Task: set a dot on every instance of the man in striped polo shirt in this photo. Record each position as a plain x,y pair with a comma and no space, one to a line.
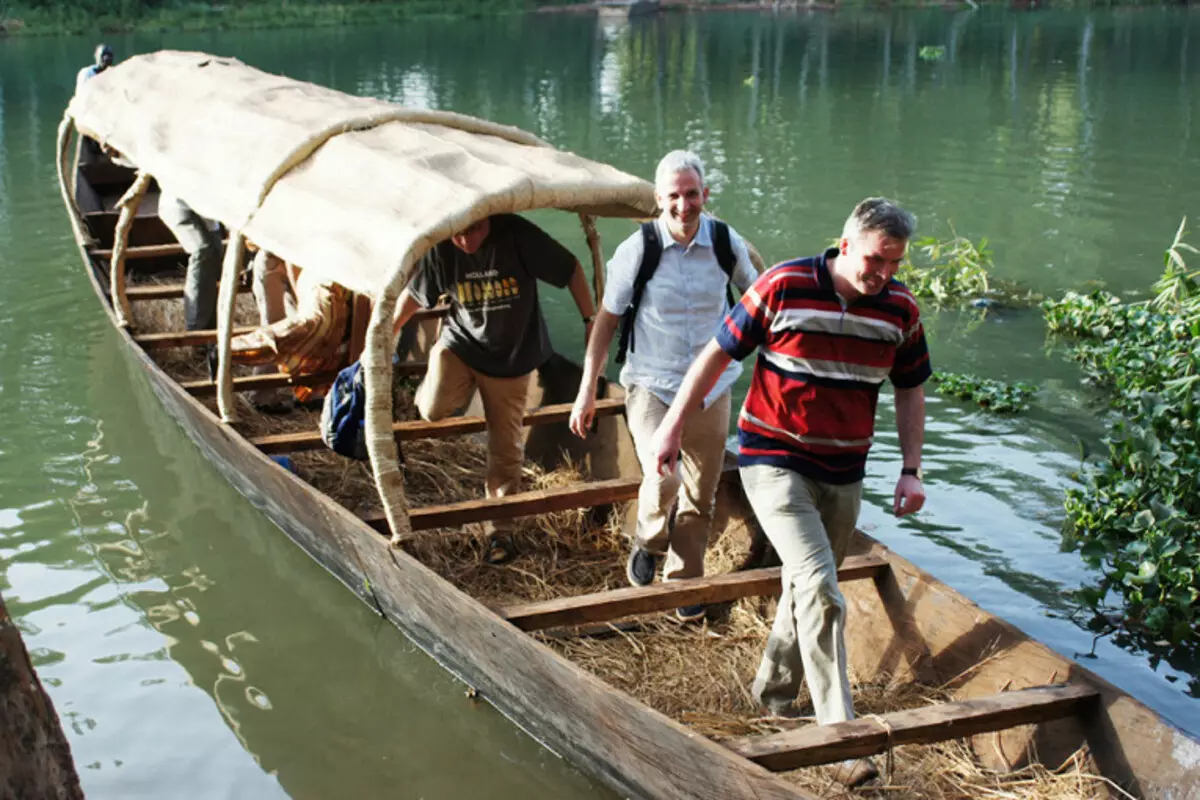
829,330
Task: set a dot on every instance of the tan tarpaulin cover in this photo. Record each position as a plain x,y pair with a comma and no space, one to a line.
355,188
217,132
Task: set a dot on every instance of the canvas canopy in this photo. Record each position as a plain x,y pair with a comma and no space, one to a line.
341,184
355,188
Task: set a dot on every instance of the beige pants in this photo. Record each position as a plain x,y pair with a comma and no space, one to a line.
810,524
446,390
693,486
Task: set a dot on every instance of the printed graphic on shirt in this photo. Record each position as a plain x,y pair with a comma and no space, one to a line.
484,290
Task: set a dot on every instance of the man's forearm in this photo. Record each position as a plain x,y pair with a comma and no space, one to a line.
581,293
597,348
910,424
406,306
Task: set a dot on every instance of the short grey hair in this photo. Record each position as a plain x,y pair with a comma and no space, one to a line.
675,162
879,214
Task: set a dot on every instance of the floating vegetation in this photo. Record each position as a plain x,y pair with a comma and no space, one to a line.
1137,517
995,396
931,52
957,272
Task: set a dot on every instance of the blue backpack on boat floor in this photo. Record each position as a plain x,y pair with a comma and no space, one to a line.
344,414
651,254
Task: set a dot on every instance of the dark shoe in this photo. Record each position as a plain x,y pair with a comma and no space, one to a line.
501,549
641,567
691,613
855,772
210,356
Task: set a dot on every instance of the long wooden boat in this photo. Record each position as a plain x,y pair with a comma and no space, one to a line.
1011,696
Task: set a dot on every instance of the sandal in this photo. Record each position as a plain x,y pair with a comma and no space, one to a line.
500,549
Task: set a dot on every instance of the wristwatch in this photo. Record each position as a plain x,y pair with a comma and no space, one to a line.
587,320
915,472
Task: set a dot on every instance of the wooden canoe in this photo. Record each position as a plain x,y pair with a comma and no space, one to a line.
1024,697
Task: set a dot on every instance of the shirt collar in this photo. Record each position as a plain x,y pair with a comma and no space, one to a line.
703,237
825,279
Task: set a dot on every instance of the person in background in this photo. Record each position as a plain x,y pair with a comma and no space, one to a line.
103,59
677,312
493,337
309,339
89,148
829,330
204,250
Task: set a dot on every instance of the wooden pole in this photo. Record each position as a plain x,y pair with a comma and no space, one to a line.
128,208
231,268
593,240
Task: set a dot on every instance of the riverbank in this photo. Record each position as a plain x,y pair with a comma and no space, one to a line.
128,17
78,17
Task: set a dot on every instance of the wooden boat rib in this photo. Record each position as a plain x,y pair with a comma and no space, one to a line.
1028,698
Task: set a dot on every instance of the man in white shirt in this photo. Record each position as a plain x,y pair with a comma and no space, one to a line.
674,313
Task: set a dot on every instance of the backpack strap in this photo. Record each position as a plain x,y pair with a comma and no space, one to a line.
723,248
651,255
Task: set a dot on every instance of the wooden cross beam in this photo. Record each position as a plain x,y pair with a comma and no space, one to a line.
823,744
628,602
442,429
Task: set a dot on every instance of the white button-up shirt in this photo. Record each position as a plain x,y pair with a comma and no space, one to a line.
681,310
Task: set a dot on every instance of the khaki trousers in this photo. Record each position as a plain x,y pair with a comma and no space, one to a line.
810,524
693,486
446,390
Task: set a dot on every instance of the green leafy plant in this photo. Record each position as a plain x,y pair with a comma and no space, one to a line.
947,270
931,52
1177,285
1137,515
993,395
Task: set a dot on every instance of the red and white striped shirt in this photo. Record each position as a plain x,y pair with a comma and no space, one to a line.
811,404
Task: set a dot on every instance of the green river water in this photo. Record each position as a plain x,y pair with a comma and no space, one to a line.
192,651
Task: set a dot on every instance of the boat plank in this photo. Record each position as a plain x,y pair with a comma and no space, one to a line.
144,251
411,430
627,602
162,291
253,383
866,736
521,504
168,339
279,380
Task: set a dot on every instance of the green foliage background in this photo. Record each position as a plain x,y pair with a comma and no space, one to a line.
1137,516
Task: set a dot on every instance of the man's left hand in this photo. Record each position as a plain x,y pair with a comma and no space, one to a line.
909,497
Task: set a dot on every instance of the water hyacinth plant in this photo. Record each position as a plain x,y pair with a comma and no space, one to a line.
949,270
957,272
992,395
1137,515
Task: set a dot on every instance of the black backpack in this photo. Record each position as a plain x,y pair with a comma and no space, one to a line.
651,254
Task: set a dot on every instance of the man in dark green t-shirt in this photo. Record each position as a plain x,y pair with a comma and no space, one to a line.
494,336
